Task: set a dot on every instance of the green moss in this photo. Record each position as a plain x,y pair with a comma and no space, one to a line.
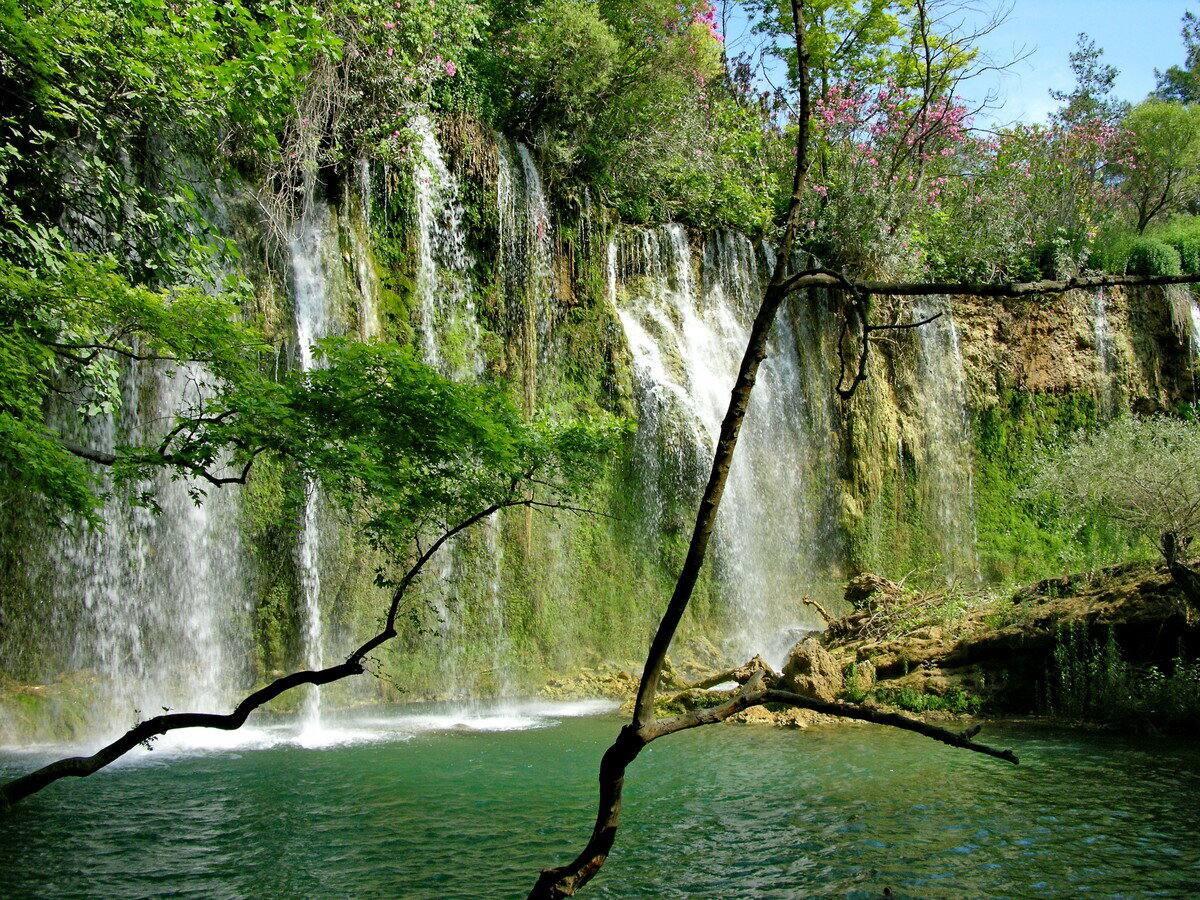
1023,540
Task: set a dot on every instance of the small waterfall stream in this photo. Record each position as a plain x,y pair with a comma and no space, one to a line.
449,328
312,315
687,342
526,259
949,473
450,338
1106,356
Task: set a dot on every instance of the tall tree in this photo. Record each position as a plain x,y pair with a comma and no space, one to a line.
1092,97
1162,172
1182,83
760,685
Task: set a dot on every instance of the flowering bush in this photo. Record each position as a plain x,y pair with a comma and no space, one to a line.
885,160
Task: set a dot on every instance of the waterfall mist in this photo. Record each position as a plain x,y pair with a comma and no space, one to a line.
687,338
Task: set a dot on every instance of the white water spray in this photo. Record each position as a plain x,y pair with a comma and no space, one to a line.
310,299
687,345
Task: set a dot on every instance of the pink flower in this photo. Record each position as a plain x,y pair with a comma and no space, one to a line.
389,25
390,52
451,68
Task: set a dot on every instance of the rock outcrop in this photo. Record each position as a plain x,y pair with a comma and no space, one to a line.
995,650
811,670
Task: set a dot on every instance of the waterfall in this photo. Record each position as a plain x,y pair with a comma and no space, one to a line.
541,276
161,608
1105,352
497,630
365,277
311,304
949,476
449,329
1185,317
526,258
450,341
687,342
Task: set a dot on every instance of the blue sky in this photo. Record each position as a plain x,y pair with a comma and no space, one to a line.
1137,36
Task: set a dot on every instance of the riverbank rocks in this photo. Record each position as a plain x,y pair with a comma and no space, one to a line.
789,717
604,680
993,651
812,671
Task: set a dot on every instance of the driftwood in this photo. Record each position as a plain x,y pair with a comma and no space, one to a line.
821,611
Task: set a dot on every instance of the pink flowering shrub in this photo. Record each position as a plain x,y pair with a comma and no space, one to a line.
885,159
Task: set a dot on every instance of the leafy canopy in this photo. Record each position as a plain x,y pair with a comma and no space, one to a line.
1143,473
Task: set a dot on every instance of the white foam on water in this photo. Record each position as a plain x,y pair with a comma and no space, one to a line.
367,727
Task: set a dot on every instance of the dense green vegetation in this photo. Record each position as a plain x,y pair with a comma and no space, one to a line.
131,125
1090,678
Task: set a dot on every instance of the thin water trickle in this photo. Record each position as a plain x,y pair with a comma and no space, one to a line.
1106,355
312,320
949,473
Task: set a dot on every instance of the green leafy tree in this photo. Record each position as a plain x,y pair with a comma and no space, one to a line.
64,332
1092,97
1182,83
1141,473
1162,171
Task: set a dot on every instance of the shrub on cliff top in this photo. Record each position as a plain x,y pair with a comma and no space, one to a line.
1149,256
1183,233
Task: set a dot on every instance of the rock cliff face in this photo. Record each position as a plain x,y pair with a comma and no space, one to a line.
999,653
461,252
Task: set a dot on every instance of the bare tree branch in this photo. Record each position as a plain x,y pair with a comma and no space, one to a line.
821,278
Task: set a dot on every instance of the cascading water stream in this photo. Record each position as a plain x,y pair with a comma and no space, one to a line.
1105,353
450,341
449,328
526,259
687,345
540,270
311,303
949,474
162,602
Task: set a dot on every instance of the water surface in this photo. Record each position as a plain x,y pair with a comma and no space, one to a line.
420,803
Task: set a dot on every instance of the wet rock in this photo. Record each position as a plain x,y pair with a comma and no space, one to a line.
812,671
755,715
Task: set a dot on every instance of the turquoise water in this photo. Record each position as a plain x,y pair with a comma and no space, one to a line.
723,811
